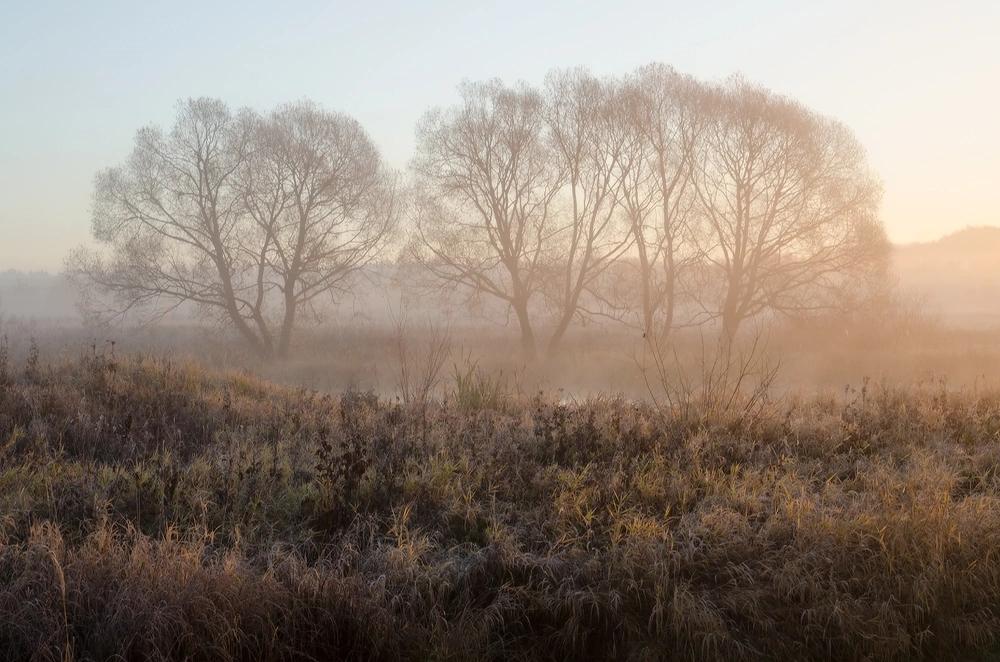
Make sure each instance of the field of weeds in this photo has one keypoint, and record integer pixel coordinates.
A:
(157, 510)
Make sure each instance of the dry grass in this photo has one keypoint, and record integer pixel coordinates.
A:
(155, 510)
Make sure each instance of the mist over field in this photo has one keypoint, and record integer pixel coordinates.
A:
(632, 331)
(953, 280)
(941, 324)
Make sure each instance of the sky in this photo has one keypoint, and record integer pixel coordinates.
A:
(918, 82)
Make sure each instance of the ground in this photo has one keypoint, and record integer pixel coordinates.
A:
(158, 510)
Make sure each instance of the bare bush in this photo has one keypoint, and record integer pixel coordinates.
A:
(475, 388)
(730, 383)
(422, 356)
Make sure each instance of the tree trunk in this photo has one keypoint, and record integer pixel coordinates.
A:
(528, 346)
(267, 341)
(645, 286)
(559, 332)
(730, 319)
(670, 294)
(287, 325)
(259, 348)
(232, 309)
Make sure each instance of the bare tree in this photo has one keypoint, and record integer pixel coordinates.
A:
(790, 206)
(589, 143)
(662, 113)
(340, 205)
(485, 183)
(171, 216)
(248, 218)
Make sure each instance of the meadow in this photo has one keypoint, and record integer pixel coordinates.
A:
(156, 508)
(532, 331)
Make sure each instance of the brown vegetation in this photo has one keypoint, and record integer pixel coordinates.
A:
(152, 510)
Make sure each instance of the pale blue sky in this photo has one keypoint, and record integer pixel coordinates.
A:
(917, 81)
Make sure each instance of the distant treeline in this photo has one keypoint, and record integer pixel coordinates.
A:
(653, 199)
